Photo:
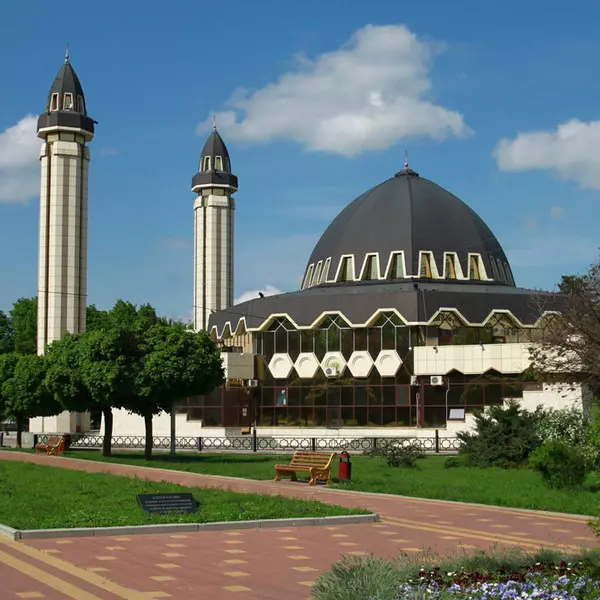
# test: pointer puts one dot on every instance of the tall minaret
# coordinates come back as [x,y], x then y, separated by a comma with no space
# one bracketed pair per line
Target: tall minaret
[62,282]
[213,231]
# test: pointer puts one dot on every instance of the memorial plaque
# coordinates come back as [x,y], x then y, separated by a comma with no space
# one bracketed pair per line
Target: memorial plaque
[167,503]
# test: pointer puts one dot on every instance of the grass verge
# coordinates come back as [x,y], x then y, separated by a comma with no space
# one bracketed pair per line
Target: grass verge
[40,497]
[518,488]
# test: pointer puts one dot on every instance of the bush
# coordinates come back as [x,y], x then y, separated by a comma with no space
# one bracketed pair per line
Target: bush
[561,465]
[504,436]
[397,453]
[453,462]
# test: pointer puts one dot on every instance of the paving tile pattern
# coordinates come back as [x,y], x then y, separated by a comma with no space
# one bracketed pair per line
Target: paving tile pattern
[283,563]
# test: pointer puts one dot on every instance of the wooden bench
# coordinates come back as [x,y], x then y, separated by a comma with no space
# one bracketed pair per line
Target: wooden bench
[316,464]
[55,444]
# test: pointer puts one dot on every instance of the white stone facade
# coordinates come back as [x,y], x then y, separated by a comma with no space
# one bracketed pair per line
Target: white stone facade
[62,275]
[213,256]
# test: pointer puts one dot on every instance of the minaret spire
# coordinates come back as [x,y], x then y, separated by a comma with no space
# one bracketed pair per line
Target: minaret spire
[406,159]
[67,53]
[214,122]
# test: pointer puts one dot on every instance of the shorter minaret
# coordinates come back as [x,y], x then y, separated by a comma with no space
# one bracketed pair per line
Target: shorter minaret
[213,231]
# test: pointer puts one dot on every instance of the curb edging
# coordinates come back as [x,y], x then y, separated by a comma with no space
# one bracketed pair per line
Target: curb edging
[32,534]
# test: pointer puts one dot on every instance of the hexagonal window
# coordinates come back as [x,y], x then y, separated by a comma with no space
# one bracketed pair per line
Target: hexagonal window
[332,362]
[306,365]
[360,363]
[388,362]
[280,366]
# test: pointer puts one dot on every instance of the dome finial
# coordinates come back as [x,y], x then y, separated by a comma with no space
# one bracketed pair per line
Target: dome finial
[214,122]
[406,159]
[67,53]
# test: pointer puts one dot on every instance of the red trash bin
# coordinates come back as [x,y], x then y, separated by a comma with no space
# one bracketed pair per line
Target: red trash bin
[345,467]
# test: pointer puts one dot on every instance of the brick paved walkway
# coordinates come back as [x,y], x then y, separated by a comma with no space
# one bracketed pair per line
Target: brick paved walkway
[268,564]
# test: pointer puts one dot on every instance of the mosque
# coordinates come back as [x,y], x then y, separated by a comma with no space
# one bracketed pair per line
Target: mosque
[408,318]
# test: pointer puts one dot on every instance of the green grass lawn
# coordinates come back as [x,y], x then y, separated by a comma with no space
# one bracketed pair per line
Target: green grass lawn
[38,497]
[520,488]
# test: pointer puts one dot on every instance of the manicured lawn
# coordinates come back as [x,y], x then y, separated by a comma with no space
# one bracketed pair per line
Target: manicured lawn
[38,497]
[520,488]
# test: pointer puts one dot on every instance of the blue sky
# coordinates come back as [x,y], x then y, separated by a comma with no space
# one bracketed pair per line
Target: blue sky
[499,102]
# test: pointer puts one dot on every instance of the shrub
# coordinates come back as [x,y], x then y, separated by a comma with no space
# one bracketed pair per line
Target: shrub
[504,436]
[398,453]
[561,465]
[570,425]
[453,462]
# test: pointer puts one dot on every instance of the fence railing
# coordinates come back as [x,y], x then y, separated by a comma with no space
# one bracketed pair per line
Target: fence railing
[256,443]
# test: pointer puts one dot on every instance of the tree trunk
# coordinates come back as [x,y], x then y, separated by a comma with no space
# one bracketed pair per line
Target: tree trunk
[19,419]
[149,437]
[108,431]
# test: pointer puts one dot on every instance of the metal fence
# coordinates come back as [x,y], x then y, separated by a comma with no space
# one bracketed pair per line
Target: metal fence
[256,443]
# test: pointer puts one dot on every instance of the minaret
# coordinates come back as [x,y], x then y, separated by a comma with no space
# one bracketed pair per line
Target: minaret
[62,282]
[213,231]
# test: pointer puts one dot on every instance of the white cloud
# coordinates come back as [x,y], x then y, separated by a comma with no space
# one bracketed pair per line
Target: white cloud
[19,161]
[366,95]
[572,150]
[557,213]
[268,290]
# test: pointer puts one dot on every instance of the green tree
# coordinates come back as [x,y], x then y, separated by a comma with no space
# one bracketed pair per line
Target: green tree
[96,319]
[175,363]
[26,394]
[569,347]
[6,333]
[24,324]
[94,371]
[8,362]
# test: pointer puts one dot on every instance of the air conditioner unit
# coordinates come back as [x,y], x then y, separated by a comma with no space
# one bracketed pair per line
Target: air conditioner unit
[331,371]
[436,380]
[414,380]
[252,383]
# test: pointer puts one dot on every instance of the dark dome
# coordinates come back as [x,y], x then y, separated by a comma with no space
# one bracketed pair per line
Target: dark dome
[66,106]
[407,228]
[214,169]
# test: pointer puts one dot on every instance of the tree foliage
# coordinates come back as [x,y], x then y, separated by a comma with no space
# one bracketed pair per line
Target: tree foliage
[570,349]
[6,334]
[26,393]
[24,325]
[176,363]
[504,436]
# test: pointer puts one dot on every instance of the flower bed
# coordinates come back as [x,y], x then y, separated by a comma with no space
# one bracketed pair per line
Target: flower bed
[543,580]
[500,574]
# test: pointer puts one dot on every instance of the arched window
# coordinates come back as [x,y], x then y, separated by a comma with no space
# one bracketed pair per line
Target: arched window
[227,166]
[450,267]
[54,102]
[80,105]
[425,270]
[207,163]
[495,273]
[370,268]
[347,269]
[68,102]
[325,272]
[474,272]
[218,163]
[317,276]
[396,268]
[308,277]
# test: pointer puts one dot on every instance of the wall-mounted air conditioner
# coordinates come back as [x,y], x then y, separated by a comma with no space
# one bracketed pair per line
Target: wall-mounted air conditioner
[436,380]
[331,371]
[414,380]
[252,383]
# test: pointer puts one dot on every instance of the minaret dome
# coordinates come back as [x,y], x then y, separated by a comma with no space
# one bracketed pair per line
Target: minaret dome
[66,108]
[214,168]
